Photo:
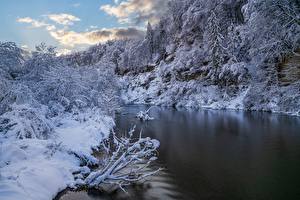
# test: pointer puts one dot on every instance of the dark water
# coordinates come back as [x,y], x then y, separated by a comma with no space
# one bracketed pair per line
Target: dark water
[216,155]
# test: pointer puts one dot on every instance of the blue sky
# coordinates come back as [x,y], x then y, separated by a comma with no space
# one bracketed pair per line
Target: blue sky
[27,22]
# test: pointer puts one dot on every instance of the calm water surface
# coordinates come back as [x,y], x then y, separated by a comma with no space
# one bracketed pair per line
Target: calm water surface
[215,155]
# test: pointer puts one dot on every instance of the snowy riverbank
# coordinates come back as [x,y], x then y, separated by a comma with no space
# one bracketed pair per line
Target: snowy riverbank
[35,169]
[150,88]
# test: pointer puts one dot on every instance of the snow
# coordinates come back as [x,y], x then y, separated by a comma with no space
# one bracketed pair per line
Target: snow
[128,163]
[144,115]
[206,56]
[32,173]
[183,94]
[77,136]
[52,116]
[34,169]
[55,110]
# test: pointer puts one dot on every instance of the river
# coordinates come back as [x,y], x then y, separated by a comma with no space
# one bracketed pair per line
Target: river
[213,154]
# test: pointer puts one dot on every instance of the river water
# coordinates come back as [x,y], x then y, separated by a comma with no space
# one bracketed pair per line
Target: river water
[210,154]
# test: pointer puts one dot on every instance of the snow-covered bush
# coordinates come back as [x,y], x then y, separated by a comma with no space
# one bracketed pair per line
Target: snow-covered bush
[22,115]
[53,113]
[233,74]
[49,86]
[25,122]
[11,58]
[5,86]
[15,93]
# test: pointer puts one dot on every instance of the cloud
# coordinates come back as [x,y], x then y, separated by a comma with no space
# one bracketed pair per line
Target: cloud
[63,18]
[93,27]
[76,5]
[72,38]
[137,11]
[129,33]
[36,24]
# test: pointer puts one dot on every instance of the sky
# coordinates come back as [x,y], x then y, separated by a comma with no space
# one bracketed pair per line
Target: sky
[75,24]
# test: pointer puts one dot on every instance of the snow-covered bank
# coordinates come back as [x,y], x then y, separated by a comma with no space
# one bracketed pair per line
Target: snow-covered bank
[34,169]
[149,88]
[218,54]
[52,115]
[233,54]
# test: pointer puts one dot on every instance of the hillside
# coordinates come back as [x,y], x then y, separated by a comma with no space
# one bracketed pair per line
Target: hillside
[217,54]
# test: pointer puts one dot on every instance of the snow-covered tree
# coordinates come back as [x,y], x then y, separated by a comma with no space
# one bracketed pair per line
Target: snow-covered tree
[216,41]
[11,58]
[216,49]
[149,38]
[234,43]
[273,27]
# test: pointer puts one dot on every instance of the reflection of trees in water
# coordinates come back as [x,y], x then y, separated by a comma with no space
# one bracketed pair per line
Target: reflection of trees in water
[160,186]
[219,154]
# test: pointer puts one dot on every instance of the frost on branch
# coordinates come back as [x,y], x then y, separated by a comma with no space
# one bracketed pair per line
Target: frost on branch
[128,161]
[144,115]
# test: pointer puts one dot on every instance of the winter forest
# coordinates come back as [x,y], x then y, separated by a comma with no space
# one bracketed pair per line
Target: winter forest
[60,114]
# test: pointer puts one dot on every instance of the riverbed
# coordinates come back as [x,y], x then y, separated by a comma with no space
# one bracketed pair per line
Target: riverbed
[214,154]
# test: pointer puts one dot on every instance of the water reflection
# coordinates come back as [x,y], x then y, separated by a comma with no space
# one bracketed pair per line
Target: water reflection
[219,155]
[160,186]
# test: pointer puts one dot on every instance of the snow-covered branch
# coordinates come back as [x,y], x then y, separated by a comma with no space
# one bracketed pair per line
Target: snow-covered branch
[144,115]
[128,163]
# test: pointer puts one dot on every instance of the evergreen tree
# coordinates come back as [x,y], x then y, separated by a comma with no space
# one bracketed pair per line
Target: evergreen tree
[217,51]
[234,42]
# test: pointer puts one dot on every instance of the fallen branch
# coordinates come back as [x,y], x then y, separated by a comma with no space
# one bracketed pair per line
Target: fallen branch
[128,163]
